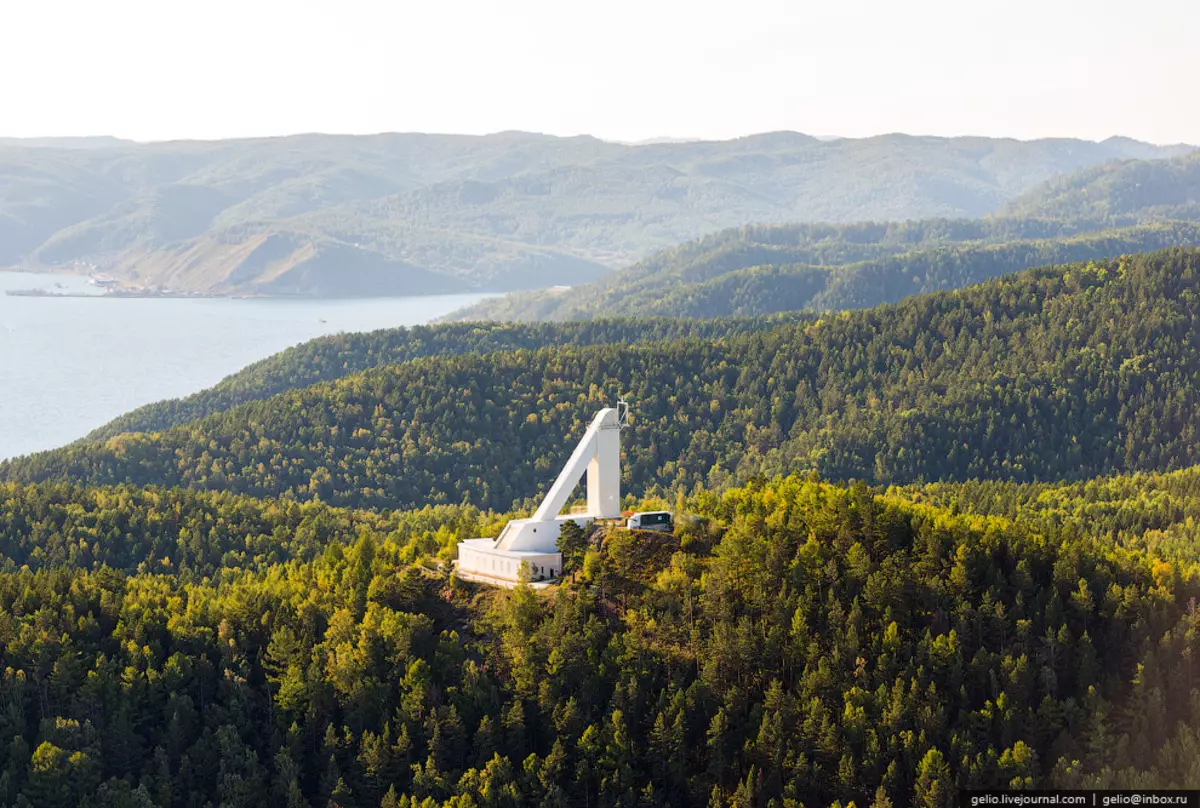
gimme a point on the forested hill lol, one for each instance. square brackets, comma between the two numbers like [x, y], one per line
[1127, 190]
[762, 270]
[333, 357]
[1152, 512]
[419, 213]
[798, 644]
[1053, 373]
[197, 534]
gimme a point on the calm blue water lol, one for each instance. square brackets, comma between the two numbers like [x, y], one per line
[69, 365]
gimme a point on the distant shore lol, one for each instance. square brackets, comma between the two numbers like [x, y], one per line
[129, 293]
[114, 289]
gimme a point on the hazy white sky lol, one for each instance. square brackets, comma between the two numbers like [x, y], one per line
[620, 69]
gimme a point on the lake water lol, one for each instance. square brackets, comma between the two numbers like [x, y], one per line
[70, 365]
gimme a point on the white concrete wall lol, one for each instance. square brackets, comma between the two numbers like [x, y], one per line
[499, 564]
[527, 535]
[598, 454]
[604, 471]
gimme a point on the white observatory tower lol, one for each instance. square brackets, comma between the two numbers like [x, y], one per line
[534, 540]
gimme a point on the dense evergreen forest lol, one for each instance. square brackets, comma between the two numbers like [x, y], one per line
[778, 268]
[1153, 511]
[936, 482]
[246, 598]
[762, 270]
[1055, 373]
[796, 644]
[196, 535]
[340, 355]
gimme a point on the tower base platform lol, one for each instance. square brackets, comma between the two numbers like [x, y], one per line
[534, 541]
[480, 560]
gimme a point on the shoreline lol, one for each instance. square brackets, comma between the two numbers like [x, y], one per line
[39, 293]
[129, 295]
[135, 293]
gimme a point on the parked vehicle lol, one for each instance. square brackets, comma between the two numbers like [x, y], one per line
[651, 520]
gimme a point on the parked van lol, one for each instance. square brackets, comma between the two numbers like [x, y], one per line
[651, 520]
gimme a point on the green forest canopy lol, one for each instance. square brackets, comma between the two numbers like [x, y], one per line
[1122, 191]
[1056, 373]
[333, 357]
[762, 270]
[248, 602]
[753, 269]
[797, 643]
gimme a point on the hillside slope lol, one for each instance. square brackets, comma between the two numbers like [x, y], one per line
[333, 357]
[197, 534]
[769, 269]
[400, 213]
[1154, 513]
[1122, 191]
[802, 643]
[1052, 373]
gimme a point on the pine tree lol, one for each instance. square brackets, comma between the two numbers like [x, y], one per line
[934, 786]
[882, 800]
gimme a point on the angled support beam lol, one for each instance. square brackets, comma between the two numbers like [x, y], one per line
[598, 454]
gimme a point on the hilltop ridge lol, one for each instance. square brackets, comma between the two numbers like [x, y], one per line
[1124, 191]
[759, 270]
[1053, 373]
[334, 215]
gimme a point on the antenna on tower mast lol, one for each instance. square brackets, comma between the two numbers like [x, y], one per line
[622, 413]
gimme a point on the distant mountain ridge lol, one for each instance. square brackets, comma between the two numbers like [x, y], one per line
[759, 270]
[330, 215]
[1126, 190]
[82, 142]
